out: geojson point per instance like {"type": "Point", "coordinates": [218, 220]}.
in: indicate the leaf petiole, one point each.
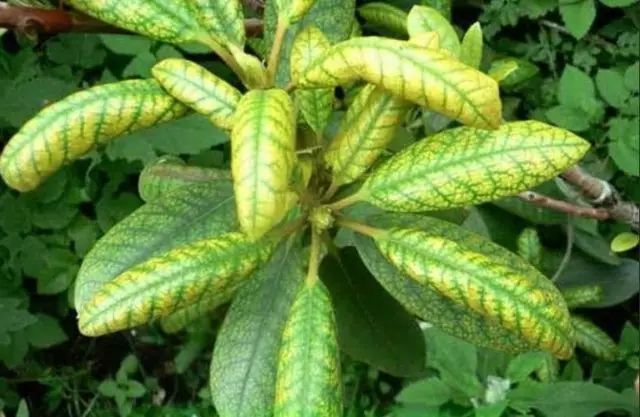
{"type": "Point", "coordinates": [359, 227]}
{"type": "Point", "coordinates": [314, 258]}
{"type": "Point", "coordinates": [272, 66]}
{"type": "Point", "coordinates": [345, 202]}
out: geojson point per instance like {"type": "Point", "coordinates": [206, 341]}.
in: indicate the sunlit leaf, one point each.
{"type": "Point", "coordinates": [594, 340]}
{"type": "Point", "coordinates": [624, 242]}
{"type": "Point", "coordinates": [364, 134]}
{"type": "Point", "coordinates": [428, 19]}
{"type": "Point", "coordinates": [164, 284]}
{"type": "Point", "coordinates": [309, 376]}
{"type": "Point", "coordinates": [425, 77]}
{"type": "Point", "coordinates": [316, 105]}
{"type": "Point", "coordinates": [263, 155]}
{"type": "Point", "coordinates": [252, 73]}
{"type": "Point", "coordinates": [199, 89]}
{"type": "Point", "coordinates": [581, 295]}
{"type": "Point", "coordinates": [385, 16]}
{"type": "Point", "coordinates": [512, 71]}
{"type": "Point", "coordinates": [70, 128]}
{"type": "Point", "coordinates": [464, 165]}
{"type": "Point", "coordinates": [427, 40]}
{"type": "Point", "coordinates": [223, 19]}
{"type": "Point", "coordinates": [245, 357]}
{"type": "Point", "coordinates": [530, 247]}
{"type": "Point", "coordinates": [472, 45]}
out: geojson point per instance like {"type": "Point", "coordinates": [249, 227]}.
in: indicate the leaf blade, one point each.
{"type": "Point", "coordinates": [428, 19]}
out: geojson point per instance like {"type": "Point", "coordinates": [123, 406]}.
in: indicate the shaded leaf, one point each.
{"type": "Point", "coordinates": [530, 247]}
{"type": "Point", "coordinates": [385, 17]}
{"type": "Point", "coordinates": [578, 16]}
{"type": "Point", "coordinates": [429, 392]}
{"type": "Point", "coordinates": [45, 332]}
{"type": "Point", "coordinates": [594, 340]}
{"type": "Point", "coordinates": [580, 295]}
{"type": "Point", "coordinates": [611, 86]}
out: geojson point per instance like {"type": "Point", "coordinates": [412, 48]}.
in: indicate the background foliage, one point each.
{"type": "Point", "coordinates": [578, 68]}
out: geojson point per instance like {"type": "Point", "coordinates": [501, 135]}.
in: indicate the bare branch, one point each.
{"type": "Point", "coordinates": [563, 206]}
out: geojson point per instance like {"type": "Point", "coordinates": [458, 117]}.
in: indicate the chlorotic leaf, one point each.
{"type": "Point", "coordinates": [316, 105]}
{"type": "Point", "coordinates": [308, 379]}
{"type": "Point", "coordinates": [464, 165]}
{"type": "Point", "coordinates": [252, 73]}
{"type": "Point", "coordinates": [262, 158]}
{"type": "Point", "coordinates": [223, 19]}
{"type": "Point", "coordinates": [68, 129]}
{"type": "Point", "coordinates": [427, 40]}
{"type": "Point", "coordinates": [165, 21]}
{"type": "Point", "coordinates": [581, 295]}
{"type": "Point", "coordinates": [199, 89]}
{"type": "Point", "coordinates": [293, 11]}
{"type": "Point", "coordinates": [428, 19]}
{"type": "Point", "coordinates": [178, 320]}
{"type": "Point", "coordinates": [182, 216]}
{"type": "Point", "coordinates": [505, 289]}
{"type": "Point", "coordinates": [624, 242]}
{"type": "Point", "coordinates": [364, 135]}
{"type": "Point", "coordinates": [472, 46]}
{"type": "Point", "coordinates": [169, 282]}
{"type": "Point", "coordinates": [510, 72]}
{"type": "Point", "coordinates": [425, 77]}
{"type": "Point", "coordinates": [427, 303]}
{"type": "Point", "coordinates": [594, 340]}
{"type": "Point", "coordinates": [529, 246]}
{"type": "Point", "coordinates": [386, 17]}
{"type": "Point", "coordinates": [442, 6]}
{"type": "Point", "coordinates": [161, 177]}
{"type": "Point", "coordinates": [245, 357]}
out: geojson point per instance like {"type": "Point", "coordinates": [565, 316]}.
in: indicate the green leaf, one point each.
{"type": "Point", "coordinates": [76, 50]}
{"type": "Point", "coordinates": [611, 87]}
{"type": "Point", "coordinates": [429, 392]}
{"type": "Point", "coordinates": [23, 409]}
{"type": "Point", "coordinates": [72, 127]}
{"type": "Point", "coordinates": [624, 147]}
{"type": "Point", "coordinates": [632, 77]}
{"type": "Point", "coordinates": [472, 46]}
{"type": "Point", "coordinates": [135, 389]}
{"type": "Point", "coordinates": [309, 376]}
{"type": "Point", "coordinates": [45, 332]}
{"type": "Point", "coordinates": [385, 18]}
{"type": "Point", "coordinates": [580, 295]}
{"type": "Point", "coordinates": [594, 340]}
{"type": "Point", "coordinates": [108, 388]}
{"type": "Point", "coordinates": [14, 318]}
{"type": "Point", "coordinates": [222, 19]}
{"type": "Point", "coordinates": [84, 233]}
{"type": "Point", "coordinates": [464, 165]}
{"type": "Point", "coordinates": [570, 118]}
{"type": "Point", "coordinates": [262, 158]}
{"type": "Point", "coordinates": [595, 246]}
{"type": "Point", "coordinates": [618, 3]}
{"type": "Point", "coordinates": [159, 227]}
{"type": "Point", "coordinates": [530, 247]}
{"type": "Point", "coordinates": [426, 77]}
{"type": "Point", "coordinates": [525, 364]}
{"type": "Point", "coordinates": [164, 284]}
{"type": "Point", "coordinates": [140, 66]}
{"type": "Point", "coordinates": [578, 16]}
{"type": "Point", "coordinates": [624, 242]}
{"type": "Point", "coordinates": [245, 357]}
{"type": "Point", "coordinates": [576, 88]}
{"type": "Point", "coordinates": [425, 302]}
{"type": "Point", "coordinates": [199, 89]}
{"type": "Point", "coordinates": [372, 326]}
{"type": "Point", "coordinates": [126, 44]}
{"type": "Point", "coordinates": [427, 19]}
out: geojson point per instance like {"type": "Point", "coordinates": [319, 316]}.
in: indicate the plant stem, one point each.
{"type": "Point", "coordinates": [314, 257]}
{"type": "Point", "coordinates": [563, 206]}
{"type": "Point", "coordinates": [359, 227]}
{"type": "Point", "coordinates": [345, 202]}
{"type": "Point", "coordinates": [567, 254]}
{"type": "Point", "coordinates": [274, 57]}
{"type": "Point", "coordinates": [333, 187]}
{"type": "Point", "coordinates": [288, 228]}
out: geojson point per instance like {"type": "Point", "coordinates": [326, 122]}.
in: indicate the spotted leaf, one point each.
{"type": "Point", "coordinates": [245, 357]}
{"type": "Point", "coordinates": [428, 19]}
{"type": "Point", "coordinates": [472, 46]}
{"type": "Point", "coordinates": [168, 174]}
{"type": "Point", "coordinates": [464, 166]}
{"type": "Point", "coordinates": [426, 77]}
{"type": "Point", "coordinates": [315, 104]}
{"type": "Point", "coordinates": [308, 379]}
{"type": "Point", "coordinates": [529, 246]}
{"type": "Point", "coordinates": [167, 283]}
{"type": "Point", "coordinates": [385, 18]}
{"type": "Point", "coordinates": [199, 89]}
{"type": "Point", "coordinates": [68, 129]}
{"type": "Point", "coordinates": [582, 295]}
{"type": "Point", "coordinates": [364, 135]}
{"type": "Point", "coordinates": [594, 340]}
{"type": "Point", "coordinates": [223, 19]}
{"type": "Point", "coordinates": [199, 211]}
{"type": "Point", "coordinates": [504, 288]}
{"type": "Point", "coordinates": [262, 158]}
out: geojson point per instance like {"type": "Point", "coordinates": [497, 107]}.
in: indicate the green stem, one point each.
{"type": "Point", "coordinates": [226, 56]}
{"type": "Point", "coordinates": [359, 227]}
{"type": "Point", "coordinates": [274, 57]}
{"type": "Point", "coordinates": [331, 191]}
{"type": "Point", "coordinates": [289, 228]}
{"type": "Point", "coordinates": [345, 202]}
{"type": "Point", "coordinates": [314, 258]}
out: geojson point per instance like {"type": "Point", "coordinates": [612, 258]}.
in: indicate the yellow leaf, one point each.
{"type": "Point", "coordinates": [624, 242]}
{"type": "Point", "coordinates": [293, 10]}
{"type": "Point", "coordinates": [253, 74]}
{"type": "Point", "coordinates": [427, 40]}
{"type": "Point", "coordinates": [425, 77]}
{"type": "Point", "coordinates": [223, 19]}
{"type": "Point", "coordinates": [428, 19]}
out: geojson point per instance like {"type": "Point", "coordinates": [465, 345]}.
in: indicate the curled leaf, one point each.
{"type": "Point", "coordinates": [505, 289]}
{"type": "Point", "coordinates": [199, 89]}
{"type": "Point", "coordinates": [581, 295]}
{"type": "Point", "coordinates": [262, 158]}
{"type": "Point", "coordinates": [366, 131]}
{"type": "Point", "coordinates": [212, 268]}
{"type": "Point", "coordinates": [68, 129]}
{"type": "Point", "coordinates": [308, 378]}
{"type": "Point", "coordinates": [252, 73]}
{"type": "Point", "coordinates": [464, 165]}
{"type": "Point", "coordinates": [428, 19]}
{"type": "Point", "coordinates": [594, 340]}
{"type": "Point", "coordinates": [425, 77]}
{"type": "Point", "coordinates": [386, 17]}
{"type": "Point", "coordinates": [472, 46]}
{"type": "Point", "coordinates": [315, 104]}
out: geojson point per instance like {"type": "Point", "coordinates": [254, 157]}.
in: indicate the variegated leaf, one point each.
{"type": "Point", "coordinates": [308, 378]}
{"type": "Point", "coordinates": [186, 215]}
{"type": "Point", "coordinates": [464, 166]}
{"type": "Point", "coordinates": [364, 135]}
{"type": "Point", "coordinates": [262, 158]}
{"type": "Point", "coordinates": [223, 19]}
{"type": "Point", "coordinates": [503, 288]}
{"type": "Point", "coordinates": [428, 19]}
{"type": "Point", "coordinates": [594, 340]}
{"type": "Point", "coordinates": [581, 295]}
{"type": "Point", "coordinates": [213, 268]}
{"type": "Point", "coordinates": [315, 104]}
{"type": "Point", "coordinates": [425, 77]}
{"type": "Point", "coordinates": [529, 246]}
{"type": "Point", "coordinates": [199, 89]}
{"type": "Point", "coordinates": [472, 46]}
{"type": "Point", "coordinates": [169, 174]}
{"type": "Point", "coordinates": [245, 357]}
{"type": "Point", "coordinates": [68, 129]}
{"type": "Point", "coordinates": [386, 17]}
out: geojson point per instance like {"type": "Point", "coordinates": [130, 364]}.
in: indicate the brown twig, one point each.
{"type": "Point", "coordinates": [563, 206]}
